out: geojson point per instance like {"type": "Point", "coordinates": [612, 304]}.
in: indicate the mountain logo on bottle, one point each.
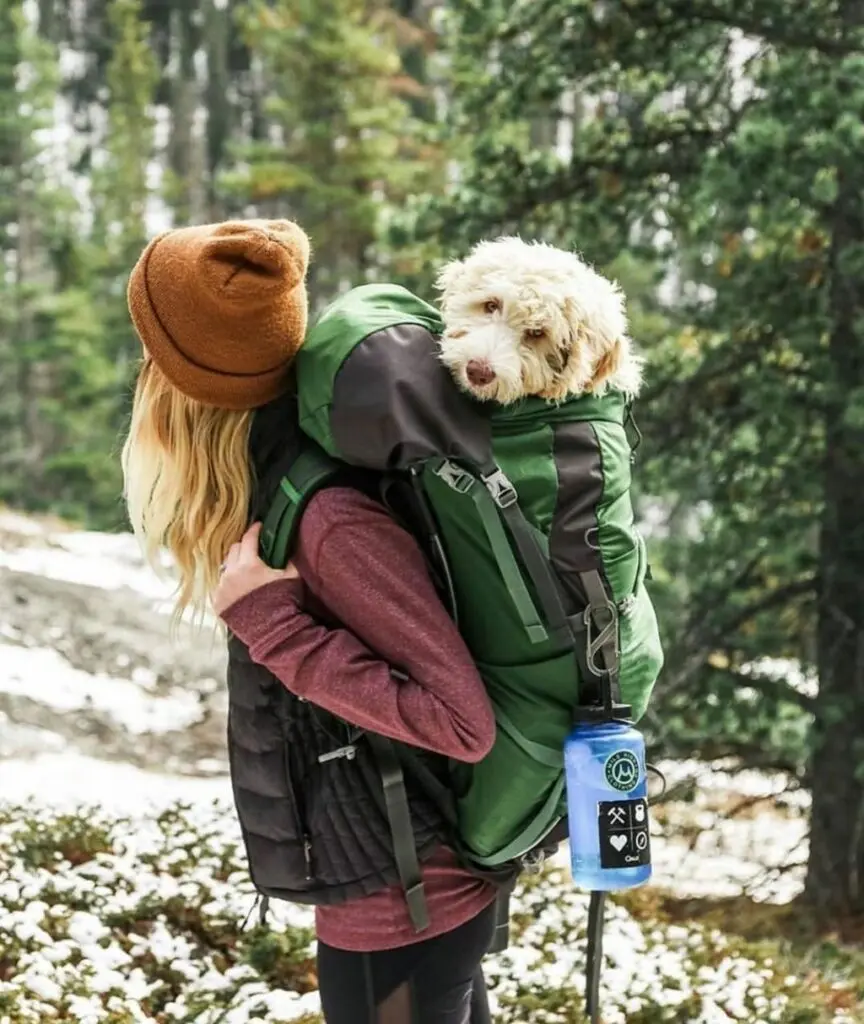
{"type": "Point", "coordinates": [622, 771]}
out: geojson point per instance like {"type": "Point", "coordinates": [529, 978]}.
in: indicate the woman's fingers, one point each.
{"type": "Point", "coordinates": [249, 544]}
{"type": "Point", "coordinates": [232, 557]}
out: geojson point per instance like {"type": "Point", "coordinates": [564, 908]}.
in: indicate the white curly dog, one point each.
{"type": "Point", "coordinates": [524, 318]}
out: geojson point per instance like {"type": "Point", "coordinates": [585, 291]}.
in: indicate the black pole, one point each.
{"type": "Point", "coordinates": [596, 911]}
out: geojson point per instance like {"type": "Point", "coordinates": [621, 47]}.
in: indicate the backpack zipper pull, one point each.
{"type": "Point", "coordinates": [348, 753]}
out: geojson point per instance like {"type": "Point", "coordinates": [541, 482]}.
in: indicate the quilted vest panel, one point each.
{"type": "Point", "coordinates": [314, 832]}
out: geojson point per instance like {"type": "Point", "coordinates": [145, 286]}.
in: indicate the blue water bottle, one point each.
{"type": "Point", "coordinates": [607, 800]}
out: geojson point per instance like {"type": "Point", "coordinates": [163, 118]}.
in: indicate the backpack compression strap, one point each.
{"type": "Point", "coordinates": [401, 830]}
{"type": "Point", "coordinates": [594, 629]}
{"type": "Point", "coordinates": [310, 471]}
{"type": "Point", "coordinates": [496, 502]}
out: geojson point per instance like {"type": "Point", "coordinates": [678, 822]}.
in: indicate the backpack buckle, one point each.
{"type": "Point", "coordinates": [454, 476]}
{"type": "Point", "coordinates": [503, 492]}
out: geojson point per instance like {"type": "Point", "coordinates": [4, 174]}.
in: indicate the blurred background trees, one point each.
{"type": "Point", "coordinates": [708, 154]}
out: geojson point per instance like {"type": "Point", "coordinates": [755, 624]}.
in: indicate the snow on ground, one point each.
{"type": "Point", "coordinates": [108, 561]}
{"type": "Point", "coordinates": [65, 781]}
{"type": "Point", "coordinates": [130, 922]}
{"type": "Point", "coordinates": [129, 702]}
{"type": "Point", "coordinates": [742, 830]}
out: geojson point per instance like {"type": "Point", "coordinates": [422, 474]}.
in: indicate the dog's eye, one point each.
{"type": "Point", "coordinates": [535, 333]}
{"type": "Point", "coordinates": [492, 305]}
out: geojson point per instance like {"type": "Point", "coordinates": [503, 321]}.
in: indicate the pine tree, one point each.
{"type": "Point", "coordinates": [34, 219]}
{"type": "Point", "coordinates": [121, 191]}
{"type": "Point", "coordinates": [339, 140]}
{"type": "Point", "coordinates": [12, 134]}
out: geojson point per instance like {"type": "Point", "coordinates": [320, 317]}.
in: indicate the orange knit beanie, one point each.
{"type": "Point", "coordinates": [221, 309]}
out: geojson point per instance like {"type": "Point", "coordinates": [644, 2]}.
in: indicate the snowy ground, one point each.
{"type": "Point", "coordinates": [144, 925]}
{"type": "Point", "coordinates": [99, 707]}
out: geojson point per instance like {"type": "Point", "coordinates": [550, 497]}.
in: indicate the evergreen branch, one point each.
{"type": "Point", "coordinates": [768, 602]}
{"type": "Point", "coordinates": [777, 34]}
{"type": "Point", "coordinates": [769, 687]}
{"type": "Point", "coordinates": [662, 154]}
{"type": "Point", "coordinates": [702, 646]}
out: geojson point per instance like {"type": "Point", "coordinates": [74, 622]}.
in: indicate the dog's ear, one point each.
{"type": "Point", "coordinates": [608, 365]}
{"type": "Point", "coordinates": [620, 362]}
{"type": "Point", "coordinates": [447, 277]}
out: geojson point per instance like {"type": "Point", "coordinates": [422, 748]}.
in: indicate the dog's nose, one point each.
{"type": "Point", "coordinates": [479, 373]}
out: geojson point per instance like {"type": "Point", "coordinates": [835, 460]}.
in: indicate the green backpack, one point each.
{"type": "Point", "coordinates": [526, 512]}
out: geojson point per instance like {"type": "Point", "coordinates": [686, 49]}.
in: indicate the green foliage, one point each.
{"type": "Point", "coordinates": [65, 340]}
{"type": "Point", "coordinates": [341, 143]}
{"type": "Point", "coordinates": [120, 182]}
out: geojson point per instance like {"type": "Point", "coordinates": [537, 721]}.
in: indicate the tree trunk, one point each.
{"type": "Point", "coordinates": [835, 876]}
{"type": "Point", "coordinates": [184, 102]}
{"type": "Point", "coordinates": [218, 26]}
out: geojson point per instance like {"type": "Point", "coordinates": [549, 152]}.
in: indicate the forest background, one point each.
{"type": "Point", "coordinates": [709, 154]}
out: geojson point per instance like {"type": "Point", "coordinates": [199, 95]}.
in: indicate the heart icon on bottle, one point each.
{"type": "Point", "coordinates": [618, 842]}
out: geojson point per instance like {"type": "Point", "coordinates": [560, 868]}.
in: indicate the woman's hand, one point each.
{"type": "Point", "coordinates": [244, 571]}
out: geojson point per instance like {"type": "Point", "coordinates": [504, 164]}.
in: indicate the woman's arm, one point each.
{"type": "Point", "coordinates": [370, 574]}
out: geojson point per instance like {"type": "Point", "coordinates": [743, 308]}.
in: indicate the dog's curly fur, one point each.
{"type": "Point", "coordinates": [529, 319]}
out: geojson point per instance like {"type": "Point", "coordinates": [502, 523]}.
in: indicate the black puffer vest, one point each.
{"type": "Point", "coordinates": [315, 832]}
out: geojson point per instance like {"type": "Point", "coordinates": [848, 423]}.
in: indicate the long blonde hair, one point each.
{"type": "Point", "coordinates": [187, 482]}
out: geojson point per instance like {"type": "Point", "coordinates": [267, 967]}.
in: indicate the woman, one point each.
{"type": "Point", "coordinates": [349, 637]}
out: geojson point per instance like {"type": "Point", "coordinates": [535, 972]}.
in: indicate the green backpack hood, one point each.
{"type": "Point", "coordinates": [529, 508]}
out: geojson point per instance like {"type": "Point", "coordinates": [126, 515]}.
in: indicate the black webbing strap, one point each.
{"type": "Point", "coordinates": [536, 564]}
{"type": "Point", "coordinates": [597, 655]}
{"type": "Point", "coordinates": [418, 517]}
{"type": "Point", "coordinates": [401, 829]}
{"type": "Point", "coordinates": [501, 935]}
{"type": "Point", "coordinates": [442, 796]}
{"type": "Point", "coordinates": [596, 911]}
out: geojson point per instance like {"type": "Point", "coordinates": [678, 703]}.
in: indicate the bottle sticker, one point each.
{"type": "Point", "coordinates": [622, 771]}
{"type": "Point", "coordinates": [624, 837]}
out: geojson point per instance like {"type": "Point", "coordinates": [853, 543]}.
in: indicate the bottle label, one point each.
{"type": "Point", "coordinates": [624, 837]}
{"type": "Point", "coordinates": [622, 771]}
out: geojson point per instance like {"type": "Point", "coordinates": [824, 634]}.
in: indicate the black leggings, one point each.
{"type": "Point", "coordinates": [437, 981]}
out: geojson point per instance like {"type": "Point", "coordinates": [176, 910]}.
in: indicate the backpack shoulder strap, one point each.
{"type": "Point", "coordinates": [312, 470]}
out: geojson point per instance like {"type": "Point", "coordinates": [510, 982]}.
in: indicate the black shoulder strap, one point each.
{"type": "Point", "coordinates": [311, 470]}
{"type": "Point", "coordinates": [406, 501]}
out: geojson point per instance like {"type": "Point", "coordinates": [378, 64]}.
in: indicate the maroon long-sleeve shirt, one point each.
{"type": "Point", "coordinates": [360, 569]}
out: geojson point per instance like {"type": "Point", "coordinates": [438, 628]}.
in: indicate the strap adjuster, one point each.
{"type": "Point", "coordinates": [454, 476]}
